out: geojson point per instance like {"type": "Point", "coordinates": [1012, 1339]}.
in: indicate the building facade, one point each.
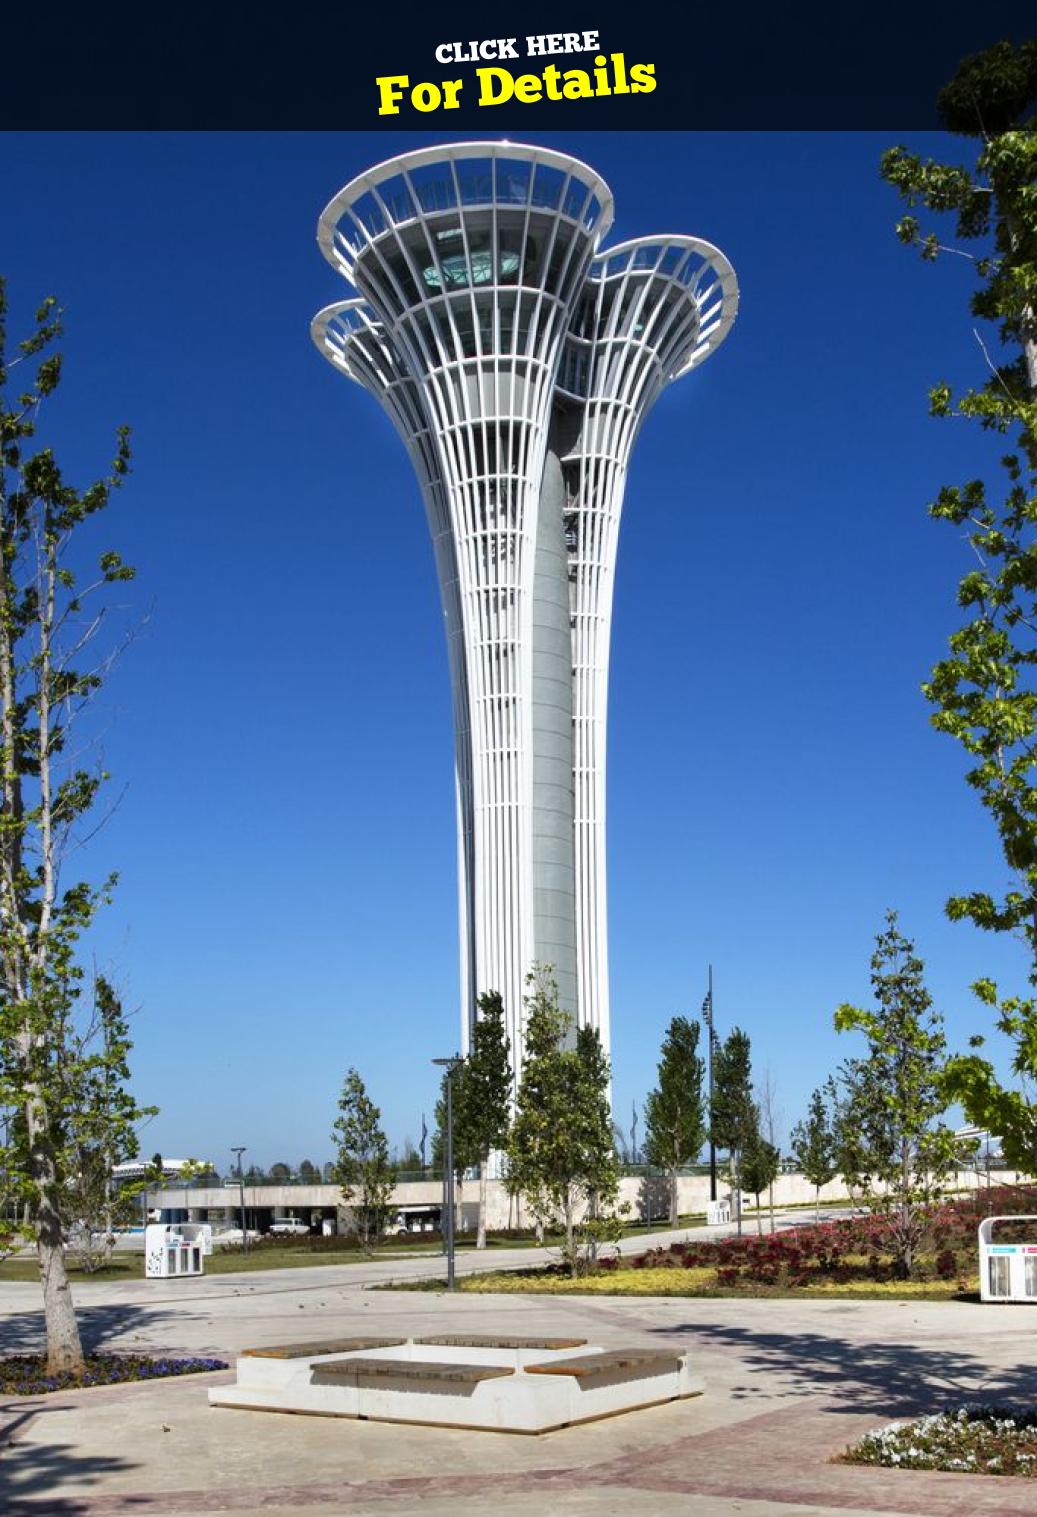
{"type": "Point", "coordinates": [517, 359]}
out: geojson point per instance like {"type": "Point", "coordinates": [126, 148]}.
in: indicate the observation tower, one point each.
{"type": "Point", "coordinates": [517, 360]}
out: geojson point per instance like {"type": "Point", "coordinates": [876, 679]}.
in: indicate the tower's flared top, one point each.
{"type": "Point", "coordinates": [675, 271]}
{"type": "Point", "coordinates": [449, 177]}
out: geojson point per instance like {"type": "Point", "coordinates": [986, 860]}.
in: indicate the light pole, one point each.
{"type": "Point", "coordinates": [454, 1062]}
{"type": "Point", "coordinates": [707, 1017]}
{"type": "Point", "coordinates": [241, 1193]}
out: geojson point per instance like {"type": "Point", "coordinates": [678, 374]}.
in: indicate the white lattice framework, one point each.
{"type": "Point", "coordinates": [517, 364]}
{"type": "Point", "coordinates": [651, 310]}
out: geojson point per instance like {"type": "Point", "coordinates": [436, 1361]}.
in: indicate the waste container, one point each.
{"type": "Point", "coordinates": [173, 1250]}
{"type": "Point", "coordinates": [1007, 1271]}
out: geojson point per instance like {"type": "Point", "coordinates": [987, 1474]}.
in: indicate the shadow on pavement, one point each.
{"type": "Point", "coordinates": [35, 1470]}
{"type": "Point", "coordinates": [115, 1325]}
{"type": "Point", "coordinates": [886, 1378]}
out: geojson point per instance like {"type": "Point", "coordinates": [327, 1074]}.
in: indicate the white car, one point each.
{"type": "Point", "coordinates": [234, 1235]}
{"type": "Point", "coordinates": [294, 1227]}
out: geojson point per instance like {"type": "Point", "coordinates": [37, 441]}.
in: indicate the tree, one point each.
{"type": "Point", "coordinates": [309, 1174]}
{"type": "Point", "coordinates": [984, 692]}
{"type": "Point", "coordinates": [362, 1166]}
{"type": "Point", "coordinates": [485, 1107]}
{"type": "Point", "coordinates": [813, 1146]}
{"type": "Point", "coordinates": [899, 1106]}
{"type": "Point", "coordinates": [279, 1173]}
{"type": "Point", "coordinates": [675, 1124]}
{"type": "Point", "coordinates": [50, 668]}
{"type": "Point", "coordinates": [98, 1121]}
{"type": "Point", "coordinates": [849, 1097]}
{"type": "Point", "coordinates": [561, 1156]}
{"type": "Point", "coordinates": [465, 1154]}
{"type": "Point", "coordinates": [770, 1121]}
{"type": "Point", "coordinates": [760, 1164]}
{"type": "Point", "coordinates": [732, 1117]}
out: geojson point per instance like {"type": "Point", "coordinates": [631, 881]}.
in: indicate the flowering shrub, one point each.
{"type": "Point", "coordinates": [847, 1251]}
{"type": "Point", "coordinates": [26, 1374]}
{"type": "Point", "coordinates": [975, 1440]}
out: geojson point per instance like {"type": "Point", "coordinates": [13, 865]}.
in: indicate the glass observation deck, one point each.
{"type": "Point", "coordinates": [448, 183]}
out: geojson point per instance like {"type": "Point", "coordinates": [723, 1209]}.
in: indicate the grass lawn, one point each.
{"type": "Point", "coordinates": [131, 1266]}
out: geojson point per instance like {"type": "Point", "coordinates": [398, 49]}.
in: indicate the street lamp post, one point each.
{"type": "Point", "coordinates": [241, 1194]}
{"type": "Point", "coordinates": [450, 1065]}
{"type": "Point", "coordinates": [707, 1017]}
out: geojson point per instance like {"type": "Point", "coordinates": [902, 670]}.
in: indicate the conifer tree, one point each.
{"type": "Point", "coordinates": [731, 1118]}
{"type": "Point", "coordinates": [482, 1116]}
{"type": "Point", "coordinates": [675, 1126]}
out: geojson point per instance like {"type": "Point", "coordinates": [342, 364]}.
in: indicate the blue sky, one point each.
{"type": "Point", "coordinates": [287, 904]}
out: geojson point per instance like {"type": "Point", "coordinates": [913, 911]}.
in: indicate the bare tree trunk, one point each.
{"type": "Point", "coordinates": [674, 1213]}
{"type": "Point", "coordinates": [480, 1241]}
{"type": "Point", "coordinates": [759, 1216]}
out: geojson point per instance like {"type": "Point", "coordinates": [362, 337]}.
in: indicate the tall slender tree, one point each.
{"type": "Point", "coordinates": [362, 1165]}
{"type": "Point", "coordinates": [52, 619]}
{"type": "Point", "coordinates": [760, 1164]}
{"type": "Point", "coordinates": [675, 1119]}
{"type": "Point", "coordinates": [732, 1118]}
{"type": "Point", "coordinates": [485, 1106]}
{"type": "Point", "coordinates": [561, 1156]}
{"type": "Point", "coordinates": [910, 1149]}
{"type": "Point", "coordinates": [984, 693]}
{"type": "Point", "coordinates": [813, 1147]}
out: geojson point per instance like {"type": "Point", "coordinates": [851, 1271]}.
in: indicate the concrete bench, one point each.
{"type": "Point", "coordinates": [590, 1366]}
{"type": "Point", "coordinates": [320, 1346]}
{"type": "Point", "coordinates": [479, 1340]}
{"type": "Point", "coordinates": [410, 1369]}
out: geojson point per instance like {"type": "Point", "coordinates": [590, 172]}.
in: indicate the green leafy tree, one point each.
{"type": "Point", "coordinates": [813, 1147]}
{"type": "Point", "coordinates": [675, 1119]}
{"type": "Point", "coordinates": [280, 1173]}
{"type": "Point", "coordinates": [984, 692]}
{"type": "Point", "coordinates": [732, 1117]}
{"type": "Point", "coordinates": [485, 1107]}
{"type": "Point", "coordinates": [910, 1150]}
{"type": "Point", "coordinates": [52, 613]}
{"type": "Point", "coordinates": [98, 1124]}
{"type": "Point", "coordinates": [309, 1173]}
{"type": "Point", "coordinates": [561, 1156]}
{"type": "Point", "coordinates": [761, 1163]}
{"type": "Point", "coordinates": [362, 1167]}
{"type": "Point", "coordinates": [465, 1153]}
{"type": "Point", "coordinates": [849, 1098]}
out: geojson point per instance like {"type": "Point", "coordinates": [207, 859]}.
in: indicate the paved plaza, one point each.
{"type": "Point", "coordinates": [789, 1384]}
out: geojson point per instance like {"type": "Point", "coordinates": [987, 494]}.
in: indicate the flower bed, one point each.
{"type": "Point", "coordinates": [662, 1281]}
{"type": "Point", "coordinates": [976, 1440]}
{"type": "Point", "coordinates": [26, 1374]}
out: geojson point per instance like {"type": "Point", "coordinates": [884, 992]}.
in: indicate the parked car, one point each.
{"type": "Point", "coordinates": [291, 1226]}
{"type": "Point", "coordinates": [234, 1235]}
